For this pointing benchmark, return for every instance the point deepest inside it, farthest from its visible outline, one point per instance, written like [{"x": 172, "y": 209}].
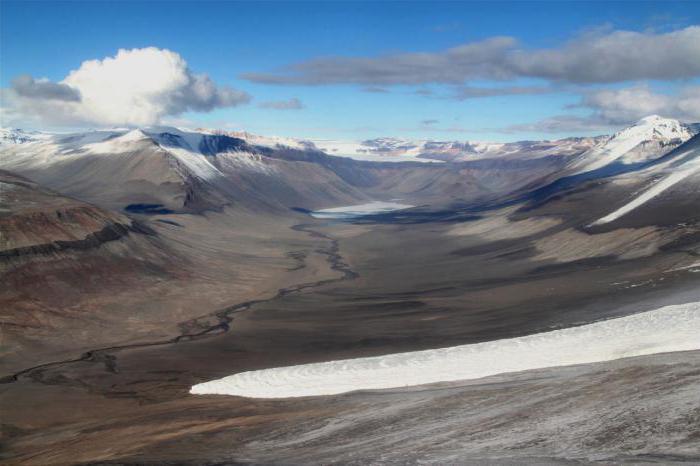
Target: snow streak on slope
[
  {"x": 659, "y": 187},
  {"x": 670, "y": 328}
]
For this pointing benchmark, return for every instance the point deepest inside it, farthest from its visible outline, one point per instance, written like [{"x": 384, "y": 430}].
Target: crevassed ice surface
[
  {"x": 370, "y": 208},
  {"x": 668, "y": 329}
]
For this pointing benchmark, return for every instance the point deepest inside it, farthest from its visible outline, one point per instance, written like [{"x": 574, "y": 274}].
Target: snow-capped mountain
[
  {"x": 200, "y": 169},
  {"x": 405, "y": 150},
  {"x": 677, "y": 171},
  {"x": 9, "y": 136},
  {"x": 642, "y": 142},
  {"x": 173, "y": 168},
  {"x": 271, "y": 142}
]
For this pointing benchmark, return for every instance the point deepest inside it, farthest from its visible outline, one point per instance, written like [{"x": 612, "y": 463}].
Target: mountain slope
[
  {"x": 172, "y": 170},
  {"x": 36, "y": 221},
  {"x": 669, "y": 189}
]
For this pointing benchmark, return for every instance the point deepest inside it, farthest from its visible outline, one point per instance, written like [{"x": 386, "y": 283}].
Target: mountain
[
  {"x": 165, "y": 169},
  {"x": 171, "y": 169},
  {"x": 11, "y": 136},
  {"x": 403, "y": 150},
  {"x": 666, "y": 190},
  {"x": 190, "y": 171},
  {"x": 640, "y": 143},
  {"x": 36, "y": 220}
]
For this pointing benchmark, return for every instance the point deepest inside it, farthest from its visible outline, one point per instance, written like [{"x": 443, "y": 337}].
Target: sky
[{"x": 497, "y": 71}]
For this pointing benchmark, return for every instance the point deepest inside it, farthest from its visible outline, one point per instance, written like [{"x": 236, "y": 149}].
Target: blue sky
[{"x": 231, "y": 40}]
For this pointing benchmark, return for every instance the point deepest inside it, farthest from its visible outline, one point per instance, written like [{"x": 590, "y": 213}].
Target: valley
[{"x": 250, "y": 255}]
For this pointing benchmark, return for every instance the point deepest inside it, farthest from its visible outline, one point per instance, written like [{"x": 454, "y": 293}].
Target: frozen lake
[{"x": 359, "y": 210}]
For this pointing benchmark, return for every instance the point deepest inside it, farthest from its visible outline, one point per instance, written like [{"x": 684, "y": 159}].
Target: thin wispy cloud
[
  {"x": 470, "y": 92},
  {"x": 561, "y": 124},
  {"x": 447, "y": 27},
  {"x": 291, "y": 104},
  {"x": 424, "y": 92},
  {"x": 375, "y": 90}
]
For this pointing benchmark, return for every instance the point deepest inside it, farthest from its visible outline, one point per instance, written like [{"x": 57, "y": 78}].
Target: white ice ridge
[
  {"x": 371, "y": 208},
  {"x": 668, "y": 329}
]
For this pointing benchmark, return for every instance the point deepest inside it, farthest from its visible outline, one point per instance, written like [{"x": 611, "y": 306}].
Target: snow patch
[
  {"x": 245, "y": 161},
  {"x": 197, "y": 163}
]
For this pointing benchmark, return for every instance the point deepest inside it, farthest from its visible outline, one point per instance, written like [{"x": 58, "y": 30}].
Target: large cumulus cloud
[{"x": 134, "y": 87}]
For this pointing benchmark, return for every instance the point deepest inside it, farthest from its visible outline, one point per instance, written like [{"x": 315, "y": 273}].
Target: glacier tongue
[{"x": 668, "y": 329}]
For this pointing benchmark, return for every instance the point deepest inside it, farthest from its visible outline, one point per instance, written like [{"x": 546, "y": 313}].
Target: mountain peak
[
  {"x": 664, "y": 127},
  {"x": 646, "y": 140},
  {"x": 655, "y": 119},
  {"x": 655, "y": 128},
  {"x": 133, "y": 135}
]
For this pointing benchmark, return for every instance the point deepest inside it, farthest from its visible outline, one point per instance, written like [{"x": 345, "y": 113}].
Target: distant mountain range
[{"x": 184, "y": 170}]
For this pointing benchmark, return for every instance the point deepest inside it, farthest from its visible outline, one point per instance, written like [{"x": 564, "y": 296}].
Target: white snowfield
[
  {"x": 668, "y": 329},
  {"x": 359, "y": 210}
]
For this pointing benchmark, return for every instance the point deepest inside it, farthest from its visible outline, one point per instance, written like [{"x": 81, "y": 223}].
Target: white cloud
[
  {"x": 601, "y": 56},
  {"x": 31, "y": 88},
  {"x": 622, "y": 106},
  {"x": 471, "y": 92},
  {"x": 559, "y": 124},
  {"x": 614, "y": 56},
  {"x": 291, "y": 104},
  {"x": 614, "y": 108},
  {"x": 135, "y": 87}
]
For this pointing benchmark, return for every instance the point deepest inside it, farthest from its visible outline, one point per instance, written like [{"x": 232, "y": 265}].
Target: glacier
[{"x": 667, "y": 329}]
